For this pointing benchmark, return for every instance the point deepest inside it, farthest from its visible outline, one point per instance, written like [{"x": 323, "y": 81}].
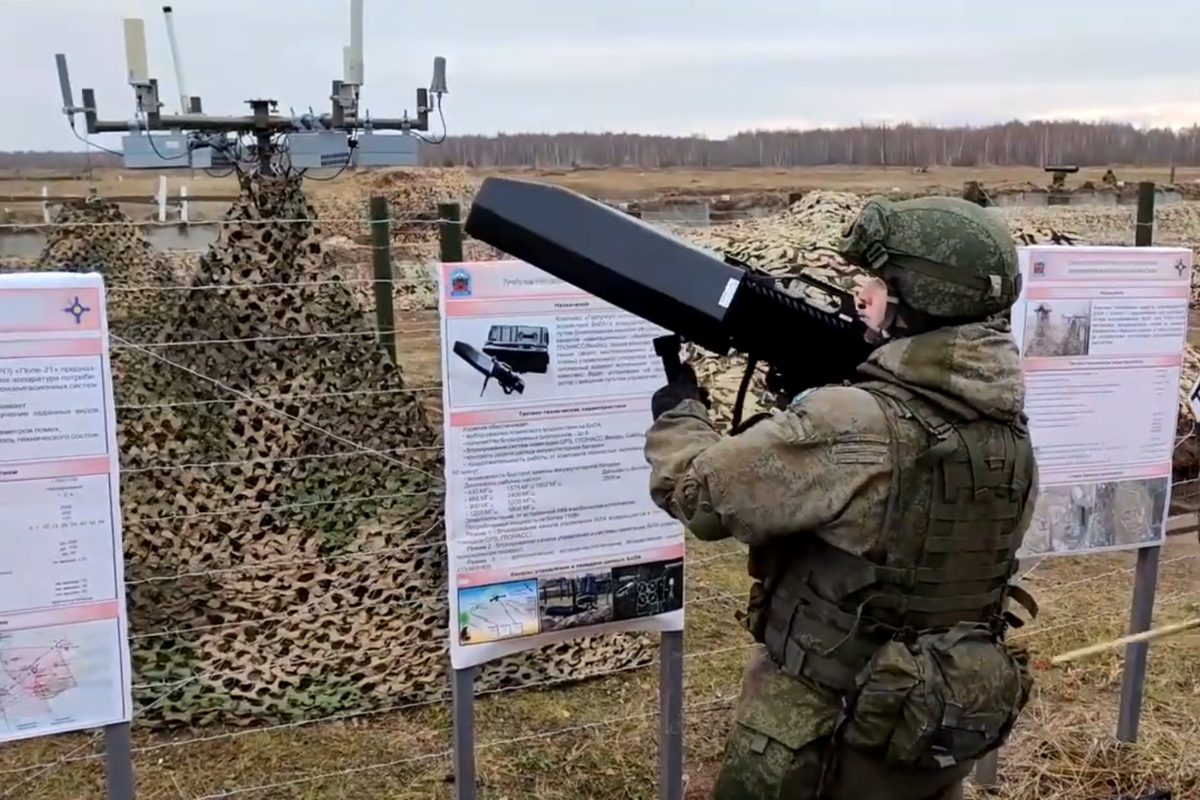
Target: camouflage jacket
[{"x": 824, "y": 465}]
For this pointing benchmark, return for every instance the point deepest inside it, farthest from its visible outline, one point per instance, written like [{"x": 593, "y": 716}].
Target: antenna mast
[
  {"x": 194, "y": 140},
  {"x": 185, "y": 102}
]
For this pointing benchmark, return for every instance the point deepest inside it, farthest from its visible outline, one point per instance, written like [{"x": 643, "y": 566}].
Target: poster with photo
[
  {"x": 550, "y": 529},
  {"x": 1101, "y": 332}
]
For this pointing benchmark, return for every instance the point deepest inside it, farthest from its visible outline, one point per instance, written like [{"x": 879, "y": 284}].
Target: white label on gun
[{"x": 727, "y": 295}]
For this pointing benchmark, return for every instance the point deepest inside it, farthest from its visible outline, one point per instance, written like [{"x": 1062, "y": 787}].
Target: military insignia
[{"x": 460, "y": 283}]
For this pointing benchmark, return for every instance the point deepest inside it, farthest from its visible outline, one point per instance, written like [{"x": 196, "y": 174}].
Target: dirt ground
[{"x": 615, "y": 184}]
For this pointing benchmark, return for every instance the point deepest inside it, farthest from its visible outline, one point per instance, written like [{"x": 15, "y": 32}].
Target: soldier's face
[{"x": 871, "y": 300}]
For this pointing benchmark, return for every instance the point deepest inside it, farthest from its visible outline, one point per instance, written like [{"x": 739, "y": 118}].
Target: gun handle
[{"x": 667, "y": 349}]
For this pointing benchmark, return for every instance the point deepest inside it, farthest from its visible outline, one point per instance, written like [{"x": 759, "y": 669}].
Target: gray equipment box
[{"x": 525, "y": 348}]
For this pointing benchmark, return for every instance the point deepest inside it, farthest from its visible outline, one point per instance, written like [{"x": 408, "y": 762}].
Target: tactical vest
[{"x": 959, "y": 488}]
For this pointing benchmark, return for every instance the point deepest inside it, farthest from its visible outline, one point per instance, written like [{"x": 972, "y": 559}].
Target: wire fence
[{"x": 291, "y": 643}]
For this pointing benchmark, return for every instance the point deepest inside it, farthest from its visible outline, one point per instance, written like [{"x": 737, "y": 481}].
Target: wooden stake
[{"x": 1154, "y": 633}]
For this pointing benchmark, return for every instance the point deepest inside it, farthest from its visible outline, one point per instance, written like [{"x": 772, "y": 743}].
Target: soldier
[
  {"x": 883, "y": 520},
  {"x": 1110, "y": 178}
]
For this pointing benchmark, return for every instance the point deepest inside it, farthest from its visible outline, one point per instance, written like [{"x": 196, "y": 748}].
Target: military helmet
[{"x": 942, "y": 256}]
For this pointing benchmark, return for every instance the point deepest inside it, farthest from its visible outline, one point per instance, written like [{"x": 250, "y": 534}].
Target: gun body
[
  {"x": 720, "y": 305},
  {"x": 490, "y": 368}
]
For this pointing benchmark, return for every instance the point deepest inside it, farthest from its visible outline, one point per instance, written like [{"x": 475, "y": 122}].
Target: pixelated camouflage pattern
[
  {"x": 909, "y": 693},
  {"x": 792, "y": 472},
  {"x": 778, "y": 749},
  {"x": 947, "y": 231}
]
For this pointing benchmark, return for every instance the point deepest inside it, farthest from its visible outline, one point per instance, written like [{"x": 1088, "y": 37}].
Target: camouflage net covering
[
  {"x": 801, "y": 240},
  {"x": 281, "y": 484},
  {"x": 413, "y": 196}
]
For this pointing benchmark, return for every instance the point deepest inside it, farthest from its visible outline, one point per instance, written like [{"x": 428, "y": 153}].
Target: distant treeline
[{"x": 1010, "y": 144}]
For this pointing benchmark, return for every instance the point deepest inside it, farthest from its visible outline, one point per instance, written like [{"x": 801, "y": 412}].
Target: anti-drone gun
[
  {"x": 719, "y": 305},
  {"x": 490, "y": 368}
]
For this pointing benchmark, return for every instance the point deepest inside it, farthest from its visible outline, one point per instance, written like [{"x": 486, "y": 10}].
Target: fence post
[
  {"x": 462, "y": 681},
  {"x": 118, "y": 762},
  {"x": 45, "y": 204},
  {"x": 162, "y": 198},
  {"x": 183, "y": 204},
  {"x": 1145, "y": 576},
  {"x": 450, "y": 232},
  {"x": 381, "y": 264}
]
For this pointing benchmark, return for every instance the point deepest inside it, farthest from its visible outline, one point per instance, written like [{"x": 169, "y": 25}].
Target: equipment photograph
[{"x": 498, "y": 361}]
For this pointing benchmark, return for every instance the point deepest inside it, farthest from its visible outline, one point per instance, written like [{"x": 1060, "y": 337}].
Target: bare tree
[{"x": 906, "y": 145}]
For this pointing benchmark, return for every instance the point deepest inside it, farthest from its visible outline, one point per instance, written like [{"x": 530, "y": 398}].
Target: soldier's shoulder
[{"x": 833, "y": 410}]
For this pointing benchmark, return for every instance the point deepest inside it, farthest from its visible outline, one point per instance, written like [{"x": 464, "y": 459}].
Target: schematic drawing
[{"x": 497, "y": 611}]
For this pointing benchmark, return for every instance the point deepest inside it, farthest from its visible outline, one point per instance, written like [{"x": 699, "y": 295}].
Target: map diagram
[
  {"x": 499, "y": 611},
  {"x": 31, "y": 675}
]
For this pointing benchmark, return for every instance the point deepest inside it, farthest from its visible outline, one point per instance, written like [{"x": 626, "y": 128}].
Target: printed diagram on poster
[
  {"x": 550, "y": 528},
  {"x": 1101, "y": 332},
  {"x": 64, "y": 654},
  {"x": 60, "y": 673}
]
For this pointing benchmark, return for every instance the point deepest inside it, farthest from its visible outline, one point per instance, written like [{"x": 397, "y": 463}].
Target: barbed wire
[
  {"x": 698, "y": 605},
  {"x": 374, "y": 552},
  {"x": 280, "y": 398},
  {"x": 73, "y": 757},
  {"x": 233, "y": 223},
  {"x": 281, "y": 413},
  {"x": 372, "y": 333},
  {"x": 276, "y": 459},
  {"x": 444, "y": 697},
  {"x": 245, "y": 287},
  {"x": 709, "y": 705},
  {"x": 313, "y": 607}
]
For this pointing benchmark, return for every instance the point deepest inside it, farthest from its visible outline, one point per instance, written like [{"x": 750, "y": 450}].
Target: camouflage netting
[
  {"x": 282, "y": 496},
  {"x": 802, "y": 238},
  {"x": 413, "y": 196}
]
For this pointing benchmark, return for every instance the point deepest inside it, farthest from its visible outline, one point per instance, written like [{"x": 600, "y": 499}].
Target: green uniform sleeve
[{"x": 786, "y": 474}]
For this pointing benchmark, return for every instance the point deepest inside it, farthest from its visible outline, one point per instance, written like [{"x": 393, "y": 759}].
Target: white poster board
[
  {"x": 1102, "y": 332},
  {"x": 550, "y": 529},
  {"x": 64, "y": 643}
]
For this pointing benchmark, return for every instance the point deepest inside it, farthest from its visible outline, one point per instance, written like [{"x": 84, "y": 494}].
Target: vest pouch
[
  {"x": 946, "y": 698},
  {"x": 755, "y": 617}
]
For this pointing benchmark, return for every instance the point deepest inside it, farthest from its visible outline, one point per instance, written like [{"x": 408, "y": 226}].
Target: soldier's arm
[{"x": 797, "y": 471}]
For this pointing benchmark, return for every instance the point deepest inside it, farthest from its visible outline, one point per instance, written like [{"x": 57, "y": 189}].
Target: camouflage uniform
[{"x": 883, "y": 521}]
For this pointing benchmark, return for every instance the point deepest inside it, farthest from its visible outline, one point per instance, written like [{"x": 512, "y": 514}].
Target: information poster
[
  {"x": 64, "y": 652},
  {"x": 550, "y": 528},
  {"x": 1102, "y": 332}
]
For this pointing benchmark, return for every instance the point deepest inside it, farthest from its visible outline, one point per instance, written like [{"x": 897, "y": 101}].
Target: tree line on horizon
[{"x": 907, "y": 145}]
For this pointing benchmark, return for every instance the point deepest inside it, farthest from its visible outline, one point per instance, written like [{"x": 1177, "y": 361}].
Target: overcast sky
[{"x": 650, "y": 66}]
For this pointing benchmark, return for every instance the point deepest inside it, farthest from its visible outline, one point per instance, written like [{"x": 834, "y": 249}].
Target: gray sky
[{"x": 650, "y": 66}]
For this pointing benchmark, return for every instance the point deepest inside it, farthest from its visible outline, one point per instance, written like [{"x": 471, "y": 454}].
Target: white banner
[
  {"x": 550, "y": 530},
  {"x": 64, "y": 635},
  {"x": 1102, "y": 332}
]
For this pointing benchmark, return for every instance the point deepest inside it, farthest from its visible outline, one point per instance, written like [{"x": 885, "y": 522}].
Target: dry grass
[{"x": 595, "y": 740}]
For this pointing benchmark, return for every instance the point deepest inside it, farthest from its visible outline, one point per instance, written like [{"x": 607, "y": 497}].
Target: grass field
[{"x": 595, "y": 740}]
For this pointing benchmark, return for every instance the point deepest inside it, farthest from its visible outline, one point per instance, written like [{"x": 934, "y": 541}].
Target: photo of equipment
[
  {"x": 489, "y": 368},
  {"x": 509, "y": 352}
]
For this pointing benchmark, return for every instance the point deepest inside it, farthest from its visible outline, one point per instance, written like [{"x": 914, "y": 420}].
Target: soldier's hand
[{"x": 685, "y": 386}]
